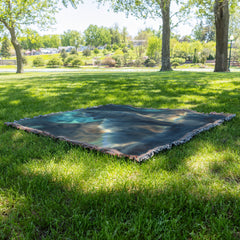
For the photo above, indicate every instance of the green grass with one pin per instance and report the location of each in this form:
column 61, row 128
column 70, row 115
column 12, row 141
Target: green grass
column 52, row 190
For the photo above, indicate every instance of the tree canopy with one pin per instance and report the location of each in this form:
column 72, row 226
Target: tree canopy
column 17, row 15
column 97, row 36
column 71, row 38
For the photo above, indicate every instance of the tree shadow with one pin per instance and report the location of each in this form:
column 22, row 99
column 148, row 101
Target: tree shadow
column 51, row 209
column 162, row 198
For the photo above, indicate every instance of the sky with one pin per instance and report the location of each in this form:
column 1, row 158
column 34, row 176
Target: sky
column 88, row 13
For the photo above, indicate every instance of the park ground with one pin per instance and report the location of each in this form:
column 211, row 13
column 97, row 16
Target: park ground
column 52, row 190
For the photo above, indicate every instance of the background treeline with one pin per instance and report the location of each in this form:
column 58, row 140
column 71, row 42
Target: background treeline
column 115, row 47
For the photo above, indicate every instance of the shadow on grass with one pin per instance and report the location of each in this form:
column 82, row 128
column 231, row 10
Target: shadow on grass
column 42, row 206
column 109, row 198
column 45, row 204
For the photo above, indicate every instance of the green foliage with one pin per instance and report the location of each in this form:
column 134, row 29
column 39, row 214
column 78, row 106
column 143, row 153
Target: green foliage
column 119, row 60
column 192, row 50
column 38, row 62
column 205, row 33
column 73, row 61
column 86, row 52
column 115, row 47
column 96, row 50
column 150, row 62
column 77, row 62
column 51, row 41
column 126, row 59
column 24, row 60
column 54, row 62
column 115, row 35
column 195, row 56
column 97, row 62
column 145, row 35
column 154, row 48
column 175, row 64
column 31, row 40
column 109, row 62
column 71, row 38
column 68, row 60
column 178, row 60
column 118, row 52
column 17, row 14
column 63, row 54
column 234, row 25
column 5, row 49
column 125, row 50
column 138, row 62
column 97, row 36
column 105, row 51
column 74, row 51
column 109, row 47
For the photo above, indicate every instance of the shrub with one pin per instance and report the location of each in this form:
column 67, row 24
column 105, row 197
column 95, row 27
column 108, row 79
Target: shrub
column 109, row 61
column 126, row 59
column 125, row 50
column 97, row 62
column 115, row 46
column 178, row 60
column 105, row 52
column 74, row 51
column 119, row 60
column 68, row 60
column 73, row 61
column 76, row 62
column 38, row 62
column 175, row 64
column 86, row 52
column 109, row 48
column 203, row 59
column 96, row 50
column 118, row 52
column 24, row 60
column 54, row 62
column 63, row 54
column 138, row 62
column 150, row 62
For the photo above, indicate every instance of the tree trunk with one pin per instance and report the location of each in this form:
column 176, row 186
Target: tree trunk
column 165, row 8
column 221, row 12
column 17, row 48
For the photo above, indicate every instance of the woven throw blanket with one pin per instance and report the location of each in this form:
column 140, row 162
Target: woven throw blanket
column 125, row 131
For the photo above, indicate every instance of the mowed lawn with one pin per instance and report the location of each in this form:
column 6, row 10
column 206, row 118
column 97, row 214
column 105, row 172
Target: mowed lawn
column 52, row 190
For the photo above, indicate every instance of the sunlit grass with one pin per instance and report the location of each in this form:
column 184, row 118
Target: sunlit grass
column 52, row 190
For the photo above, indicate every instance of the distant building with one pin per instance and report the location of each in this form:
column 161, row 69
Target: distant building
column 82, row 48
column 67, row 48
column 137, row 43
column 48, row 50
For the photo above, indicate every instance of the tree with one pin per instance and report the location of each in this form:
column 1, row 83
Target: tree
column 154, row 48
column 15, row 15
column 51, row 41
column 221, row 10
column 31, row 41
column 144, row 9
column 5, row 49
column 72, row 38
column 234, row 25
column 205, row 32
column 115, row 35
column 124, row 35
column 144, row 35
column 97, row 36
